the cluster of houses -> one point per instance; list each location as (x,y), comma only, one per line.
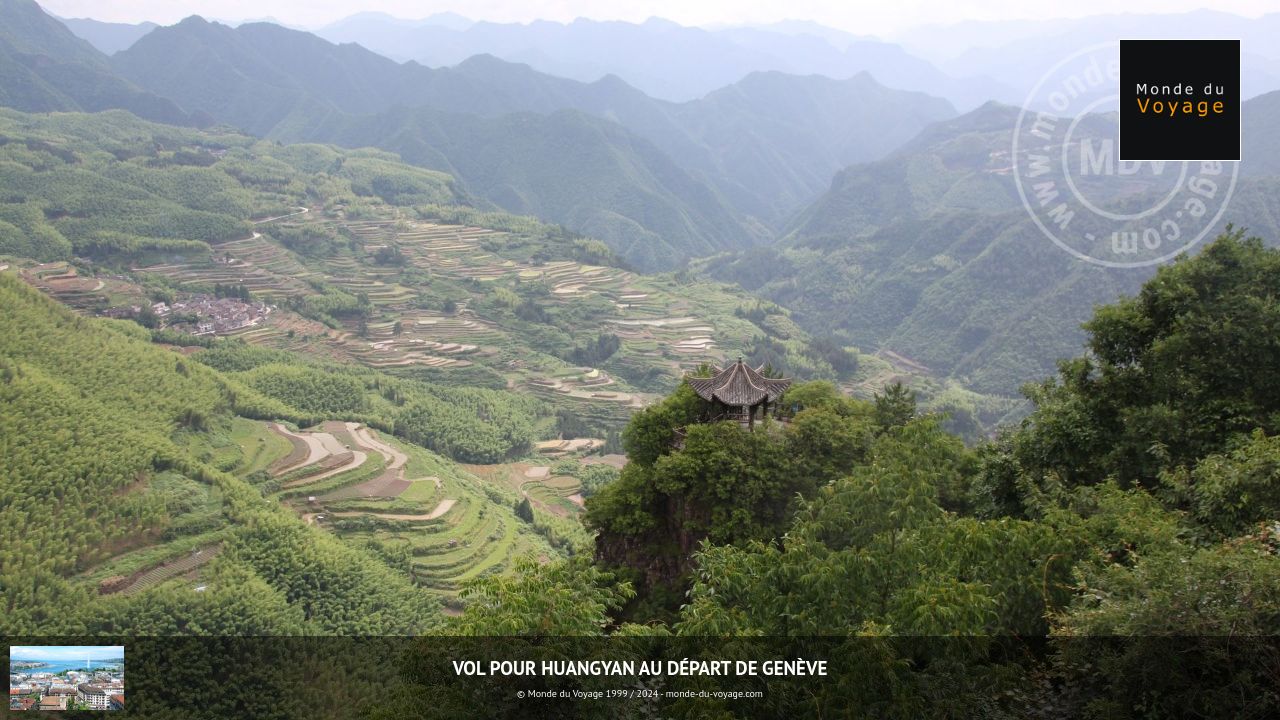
(201,314)
(98,690)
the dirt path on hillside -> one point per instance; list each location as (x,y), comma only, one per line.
(301,210)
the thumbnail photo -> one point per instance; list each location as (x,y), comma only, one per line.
(66,677)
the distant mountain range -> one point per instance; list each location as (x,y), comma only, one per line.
(738,162)
(928,253)
(967,63)
(661,58)
(659,181)
(44,67)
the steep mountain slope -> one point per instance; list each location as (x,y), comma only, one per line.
(930,255)
(44,67)
(749,154)
(98,431)
(567,167)
(775,140)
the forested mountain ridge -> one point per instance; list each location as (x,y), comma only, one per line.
(929,253)
(46,68)
(371,314)
(750,154)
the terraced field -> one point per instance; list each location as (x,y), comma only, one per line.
(230,264)
(642,312)
(665,327)
(559,494)
(86,294)
(453,525)
(175,568)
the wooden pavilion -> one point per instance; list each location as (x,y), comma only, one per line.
(737,392)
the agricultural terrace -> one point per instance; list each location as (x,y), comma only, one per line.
(445,525)
(441,524)
(443,297)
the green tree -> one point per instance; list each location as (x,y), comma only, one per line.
(524,510)
(1181,371)
(566,597)
(895,406)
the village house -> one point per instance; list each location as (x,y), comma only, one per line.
(221,315)
(93,696)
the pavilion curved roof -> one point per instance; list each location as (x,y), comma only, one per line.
(739,385)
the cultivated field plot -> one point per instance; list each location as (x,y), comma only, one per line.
(663,333)
(642,310)
(451,525)
(234,263)
(86,294)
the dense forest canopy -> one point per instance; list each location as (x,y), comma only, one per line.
(1138,499)
(108,185)
(439,418)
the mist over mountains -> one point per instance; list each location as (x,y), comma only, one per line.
(862,184)
(744,158)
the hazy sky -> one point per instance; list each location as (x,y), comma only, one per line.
(859,16)
(67,652)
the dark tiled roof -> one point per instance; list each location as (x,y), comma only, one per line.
(739,385)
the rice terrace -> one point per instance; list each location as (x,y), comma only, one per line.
(364,485)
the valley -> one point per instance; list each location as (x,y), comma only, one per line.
(433,387)
(298,340)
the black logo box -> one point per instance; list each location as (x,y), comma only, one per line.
(1185,65)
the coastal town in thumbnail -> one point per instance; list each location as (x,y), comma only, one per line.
(81,677)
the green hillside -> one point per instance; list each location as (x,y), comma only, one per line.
(658,181)
(928,257)
(108,185)
(99,467)
(395,335)
(44,67)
